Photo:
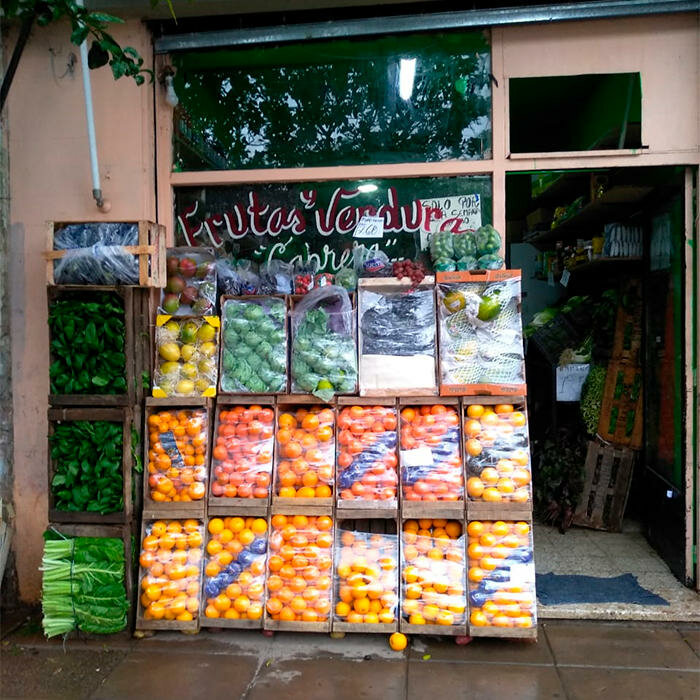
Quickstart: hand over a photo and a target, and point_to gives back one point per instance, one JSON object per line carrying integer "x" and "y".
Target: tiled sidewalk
{"x": 571, "y": 660}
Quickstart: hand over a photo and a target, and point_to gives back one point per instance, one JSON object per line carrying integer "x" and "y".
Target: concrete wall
{"x": 50, "y": 180}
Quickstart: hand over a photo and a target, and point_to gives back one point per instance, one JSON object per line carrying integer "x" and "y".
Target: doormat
{"x": 558, "y": 589}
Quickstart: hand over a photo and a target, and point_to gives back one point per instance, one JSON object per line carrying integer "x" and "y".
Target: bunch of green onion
{"x": 83, "y": 585}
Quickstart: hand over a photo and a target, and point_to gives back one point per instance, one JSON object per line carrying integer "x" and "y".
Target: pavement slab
{"x": 617, "y": 684}
{"x": 481, "y": 651}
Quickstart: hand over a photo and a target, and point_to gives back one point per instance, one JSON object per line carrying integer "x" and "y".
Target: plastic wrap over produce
{"x": 242, "y": 452}
{"x": 305, "y": 452}
{"x": 234, "y": 568}
{"x": 254, "y": 337}
{"x": 186, "y": 356}
{"x": 498, "y": 455}
{"x": 299, "y": 568}
{"x": 190, "y": 289}
{"x": 398, "y": 340}
{"x": 171, "y": 565}
{"x": 324, "y": 356}
{"x": 367, "y": 453}
{"x": 177, "y": 455}
{"x": 95, "y": 254}
{"x": 433, "y": 572}
{"x": 366, "y": 577}
{"x": 501, "y": 574}
{"x": 431, "y": 454}
{"x": 481, "y": 339}
{"x": 476, "y": 250}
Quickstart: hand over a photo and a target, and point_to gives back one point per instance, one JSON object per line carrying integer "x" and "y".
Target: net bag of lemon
{"x": 187, "y": 352}
{"x": 481, "y": 341}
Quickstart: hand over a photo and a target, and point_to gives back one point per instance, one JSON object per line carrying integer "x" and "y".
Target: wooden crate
{"x": 237, "y": 506}
{"x": 190, "y": 509}
{"x": 253, "y": 299}
{"x": 381, "y": 526}
{"x": 621, "y": 415}
{"x": 175, "y": 625}
{"x": 87, "y": 293}
{"x": 145, "y": 301}
{"x": 299, "y": 506}
{"x": 524, "y": 633}
{"x": 150, "y": 251}
{"x": 394, "y": 285}
{"x": 478, "y": 509}
{"x": 123, "y": 416}
{"x": 496, "y": 389}
{"x": 627, "y": 341}
{"x": 364, "y": 508}
{"x": 607, "y": 484}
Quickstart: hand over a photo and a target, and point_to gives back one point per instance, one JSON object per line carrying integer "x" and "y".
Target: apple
{"x": 204, "y": 270}
{"x": 188, "y": 267}
{"x": 172, "y": 265}
{"x": 171, "y": 303}
{"x": 175, "y": 284}
{"x": 189, "y": 295}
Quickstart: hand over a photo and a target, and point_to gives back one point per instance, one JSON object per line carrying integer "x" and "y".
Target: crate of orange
{"x": 298, "y": 590}
{"x": 497, "y": 458}
{"x": 366, "y": 461}
{"x": 430, "y": 456}
{"x": 304, "y": 459}
{"x": 501, "y": 579}
{"x": 233, "y": 586}
{"x": 176, "y": 458}
{"x": 170, "y": 574}
{"x": 366, "y": 585}
{"x": 242, "y": 448}
{"x": 433, "y": 577}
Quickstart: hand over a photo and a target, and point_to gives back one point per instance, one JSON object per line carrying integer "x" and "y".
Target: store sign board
{"x": 319, "y": 222}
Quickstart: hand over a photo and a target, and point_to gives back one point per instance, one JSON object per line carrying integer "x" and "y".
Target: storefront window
{"x": 401, "y": 99}
{"x": 321, "y": 221}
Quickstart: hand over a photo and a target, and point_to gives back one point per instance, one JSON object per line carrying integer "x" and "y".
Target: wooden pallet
{"x": 88, "y": 293}
{"x": 150, "y": 251}
{"x": 621, "y": 415}
{"x": 121, "y": 415}
{"x": 608, "y": 479}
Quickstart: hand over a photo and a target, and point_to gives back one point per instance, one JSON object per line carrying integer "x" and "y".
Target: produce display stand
{"x": 87, "y": 293}
{"x": 153, "y": 509}
{"x": 150, "y": 251}
{"x": 237, "y": 506}
{"x": 121, "y": 415}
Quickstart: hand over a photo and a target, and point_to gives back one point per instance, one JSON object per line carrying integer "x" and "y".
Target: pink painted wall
{"x": 50, "y": 179}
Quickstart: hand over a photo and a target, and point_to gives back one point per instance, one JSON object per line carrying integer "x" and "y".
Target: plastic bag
{"x": 490, "y": 262}
{"x": 442, "y": 245}
{"x": 228, "y": 281}
{"x": 305, "y": 452}
{"x": 370, "y": 263}
{"x": 95, "y": 254}
{"x": 433, "y": 581}
{"x": 487, "y": 240}
{"x": 242, "y": 452}
{"x": 347, "y": 279}
{"x": 501, "y": 574}
{"x": 431, "y": 454}
{"x": 249, "y": 280}
{"x": 366, "y": 584}
{"x": 276, "y": 277}
{"x": 190, "y": 289}
{"x": 464, "y": 245}
{"x": 398, "y": 340}
{"x": 481, "y": 339}
{"x": 234, "y": 568}
{"x": 300, "y": 564}
{"x": 171, "y": 567}
{"x": 366, "y": 469}
{"x": 187, "y": 355}
{"x": 304, "y": 276}
{"x": 468, "y": 263}
{"x": 324, "y": 358}
{"x": 498, "y": 455}
{"x": 178, "y": 460}
{"x": 254, "y": 338}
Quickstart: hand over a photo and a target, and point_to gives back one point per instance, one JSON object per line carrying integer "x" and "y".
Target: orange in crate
{"x": 177, "y": 455}
{"x": 242, "y": 452}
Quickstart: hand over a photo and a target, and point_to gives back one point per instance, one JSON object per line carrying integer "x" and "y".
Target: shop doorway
{"x": 608, "y": 298}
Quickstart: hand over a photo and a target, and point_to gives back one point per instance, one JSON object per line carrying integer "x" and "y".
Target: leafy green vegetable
{"x": 87, "y": 458}
{"x": 592, "y": 398}
{"x": 87, "y": 346}
{"x": 83, "y": 585}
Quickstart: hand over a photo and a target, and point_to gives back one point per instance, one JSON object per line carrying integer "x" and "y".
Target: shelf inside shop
{"x": 563, "y": 189}
{"x": 599, "y": 265}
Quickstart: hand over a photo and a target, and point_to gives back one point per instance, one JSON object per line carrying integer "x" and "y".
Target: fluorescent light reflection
{"x": 407, "y": 75}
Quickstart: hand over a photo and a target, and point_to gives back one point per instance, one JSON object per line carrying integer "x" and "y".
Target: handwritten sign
{"x": 570, "y": 381}
{"x": 370, "y": 227}
{"x": 458, "y": 214}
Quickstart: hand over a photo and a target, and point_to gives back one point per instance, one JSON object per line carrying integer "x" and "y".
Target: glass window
{"x": 416, "y": 98}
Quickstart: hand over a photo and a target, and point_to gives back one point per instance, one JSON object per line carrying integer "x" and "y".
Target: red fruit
{"x": 172, "y": 265}
{"x": 189, "y": 295}
{"x": 188, "y": 267}
{"x": 175, "y": 284}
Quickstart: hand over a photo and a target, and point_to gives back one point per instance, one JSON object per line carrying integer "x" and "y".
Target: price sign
{"x": 370, "y": 227}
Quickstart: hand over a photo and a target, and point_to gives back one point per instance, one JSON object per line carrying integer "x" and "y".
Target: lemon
{"x": 172, "y": 327}
{"x": 207, "y": 349}
{"x": 202, "y": 385}
{"x": 187, "y": 351}
{"x": 206, "y": 366}
{"x": 189, "y": 370}
{"x": 185, "y": 387}
{"x": 169, "y": 367}
{"x": 324, "y": 384}
{"x": 169, "y": 352}
{"x": 206, "y": 333}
